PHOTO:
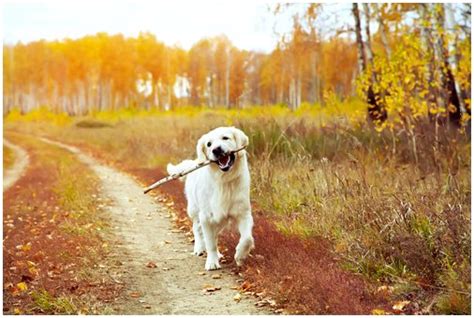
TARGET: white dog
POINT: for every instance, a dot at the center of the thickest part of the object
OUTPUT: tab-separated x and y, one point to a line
219	194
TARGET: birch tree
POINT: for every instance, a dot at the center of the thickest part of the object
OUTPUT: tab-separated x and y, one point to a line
376	111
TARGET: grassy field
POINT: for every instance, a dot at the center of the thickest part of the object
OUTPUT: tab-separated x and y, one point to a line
398	214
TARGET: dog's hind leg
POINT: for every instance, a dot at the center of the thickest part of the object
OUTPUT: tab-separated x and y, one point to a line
246	242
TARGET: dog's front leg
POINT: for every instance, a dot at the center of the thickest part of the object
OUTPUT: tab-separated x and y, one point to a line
199	246
246	242
210	239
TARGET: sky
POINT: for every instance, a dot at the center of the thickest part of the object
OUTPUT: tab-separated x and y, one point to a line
249	25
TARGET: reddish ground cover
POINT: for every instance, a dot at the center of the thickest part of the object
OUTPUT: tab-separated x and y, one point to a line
42	261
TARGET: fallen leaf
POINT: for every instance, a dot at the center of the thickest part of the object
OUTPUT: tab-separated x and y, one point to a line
265	302
151	265
384	290
261	303
237	297
22	286
245	285
135	294
31	264
216	276
201	273
33	271
378	312
210	288
17	311
261	294
25	247
400	305
213	289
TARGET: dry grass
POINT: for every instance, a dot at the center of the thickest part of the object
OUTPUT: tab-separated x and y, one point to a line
8	158
398	214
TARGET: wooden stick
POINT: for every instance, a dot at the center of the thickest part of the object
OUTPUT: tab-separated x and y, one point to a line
182	173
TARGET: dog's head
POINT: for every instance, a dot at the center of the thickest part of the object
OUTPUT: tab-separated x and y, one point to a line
218	144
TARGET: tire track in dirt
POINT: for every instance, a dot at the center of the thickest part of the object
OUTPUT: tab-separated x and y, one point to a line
146	234
11	175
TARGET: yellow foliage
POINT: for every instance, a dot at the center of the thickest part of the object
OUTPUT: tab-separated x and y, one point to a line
42	114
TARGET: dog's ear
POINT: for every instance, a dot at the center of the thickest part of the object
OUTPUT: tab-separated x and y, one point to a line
201	149
240	138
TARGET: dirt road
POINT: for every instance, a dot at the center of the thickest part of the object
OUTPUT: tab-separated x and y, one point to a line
177	285
11	175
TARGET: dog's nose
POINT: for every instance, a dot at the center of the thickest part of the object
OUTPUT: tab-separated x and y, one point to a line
217	151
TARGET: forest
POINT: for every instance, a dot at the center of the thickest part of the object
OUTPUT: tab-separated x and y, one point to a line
359	151
418	55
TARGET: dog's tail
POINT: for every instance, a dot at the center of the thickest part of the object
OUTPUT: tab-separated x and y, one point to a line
180	167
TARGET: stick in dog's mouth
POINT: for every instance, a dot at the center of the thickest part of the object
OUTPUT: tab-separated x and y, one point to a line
226	161
198	166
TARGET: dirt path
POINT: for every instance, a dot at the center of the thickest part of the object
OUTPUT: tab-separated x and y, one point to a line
146	234
10	176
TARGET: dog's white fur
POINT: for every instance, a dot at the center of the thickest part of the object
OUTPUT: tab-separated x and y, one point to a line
217	198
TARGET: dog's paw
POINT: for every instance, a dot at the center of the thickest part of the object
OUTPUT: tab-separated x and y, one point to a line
242	250
199	250
212	263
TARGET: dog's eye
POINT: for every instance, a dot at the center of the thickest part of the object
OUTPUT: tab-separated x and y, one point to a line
225	138
209	144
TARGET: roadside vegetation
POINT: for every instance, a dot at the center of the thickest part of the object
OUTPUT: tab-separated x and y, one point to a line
8	157
397	214
53	237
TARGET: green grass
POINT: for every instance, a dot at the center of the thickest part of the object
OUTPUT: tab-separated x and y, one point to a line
46	303
391	217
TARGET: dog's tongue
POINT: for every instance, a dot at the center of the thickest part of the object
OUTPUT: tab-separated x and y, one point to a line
223	161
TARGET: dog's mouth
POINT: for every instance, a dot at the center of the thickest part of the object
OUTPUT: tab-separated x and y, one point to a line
226	161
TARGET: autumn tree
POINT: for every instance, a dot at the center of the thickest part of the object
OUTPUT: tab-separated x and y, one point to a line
415	62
